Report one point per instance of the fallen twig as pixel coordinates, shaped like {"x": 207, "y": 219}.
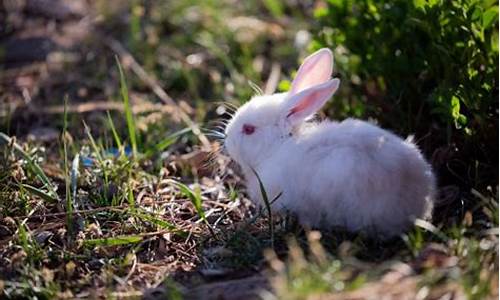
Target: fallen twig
{"x": 103, "y": 105}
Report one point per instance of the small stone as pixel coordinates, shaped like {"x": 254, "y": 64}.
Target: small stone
{"x": 42, "y": 237}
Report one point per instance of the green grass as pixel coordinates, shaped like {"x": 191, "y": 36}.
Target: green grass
{"x": 114, "y": 241}
{"x": 267, "y": 204}
{"x": 33, "y": 166}
{"x": 124, "y": 197}
{"x": 128, "y": 111}
{"x": 69, "y": 179}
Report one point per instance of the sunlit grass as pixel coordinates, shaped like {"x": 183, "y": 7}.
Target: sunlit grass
{"x": 49, "y": 195}
{"x": 128, "y": 201}
{"x": 132, "y": 132}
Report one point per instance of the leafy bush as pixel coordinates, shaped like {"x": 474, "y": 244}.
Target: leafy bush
{"x": 423, "y": 66}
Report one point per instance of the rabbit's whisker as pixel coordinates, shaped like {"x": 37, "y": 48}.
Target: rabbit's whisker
{"x": 230, "y": 105}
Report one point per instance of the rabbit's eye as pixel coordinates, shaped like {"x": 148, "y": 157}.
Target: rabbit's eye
{"x": 248, "y": 129}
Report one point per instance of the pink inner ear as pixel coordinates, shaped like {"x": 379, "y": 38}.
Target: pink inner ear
{"x": 305, "y": 103}
{"x": 309, "y": 101}
{"x": 316, "y": 68}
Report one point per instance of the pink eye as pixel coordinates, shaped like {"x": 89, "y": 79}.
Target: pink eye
{"x": 248, "y": 129}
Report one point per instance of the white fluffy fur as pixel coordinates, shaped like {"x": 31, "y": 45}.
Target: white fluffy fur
{"x": 351, "y": 174}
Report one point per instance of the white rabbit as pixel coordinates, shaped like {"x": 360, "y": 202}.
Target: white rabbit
{"x": 351, "y": 174}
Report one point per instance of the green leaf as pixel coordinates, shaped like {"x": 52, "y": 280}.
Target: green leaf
{"x": 420, "y": 4}
{"x": 494, "y": 42}
{"x": 194, "y": 197}
{"x": 458, "y": 118}
{"x": 432, "y": 3}
{"x": 320, "y": 12}
{"x": 490, "y": 16}
{"x": 338, "y": 3}
{"x": 455, "y": 107}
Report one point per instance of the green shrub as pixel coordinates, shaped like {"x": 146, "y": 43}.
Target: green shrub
{"x": 426, "y": 67}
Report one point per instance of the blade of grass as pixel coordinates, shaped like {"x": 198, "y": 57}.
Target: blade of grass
{"x": 113, "y": 130}
{"x": 131, "y": 199}
{"x": 267, "y": 204}
{"x": 114, "y": 241}
{"x": 35, "y": 168}
{"x": 99, "y": 157}
{"x": 146, "y": 216}
{"x": 23, "y": 236}
{"x": 128, "y": 110}
{"x": 40, "y": 193}
{"x": 167, "y": 142}
{"x": 67, "y": 179}
{"x": 93, "y": 144}
{"x": 195, "y": 198}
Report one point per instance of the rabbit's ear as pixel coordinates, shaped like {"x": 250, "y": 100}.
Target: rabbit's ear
{"x": 316, "y": 68}
{"x": 309, "y": 101}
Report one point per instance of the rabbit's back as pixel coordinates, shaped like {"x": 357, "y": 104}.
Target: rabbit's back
{"x": 358, "y": 175}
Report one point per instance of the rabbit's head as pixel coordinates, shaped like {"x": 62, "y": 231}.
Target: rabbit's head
{"x": 262, "y": 124}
